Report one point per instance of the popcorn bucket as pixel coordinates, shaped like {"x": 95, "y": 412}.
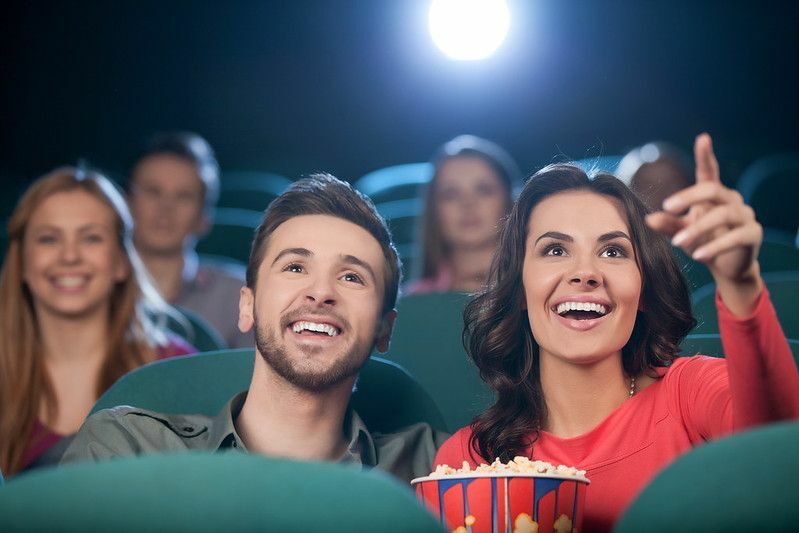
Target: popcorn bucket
{"x": 499, "y": 503}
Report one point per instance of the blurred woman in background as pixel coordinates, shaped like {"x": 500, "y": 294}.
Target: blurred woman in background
{"x": 469, "y": 194}
{"x": 76, "y": 313}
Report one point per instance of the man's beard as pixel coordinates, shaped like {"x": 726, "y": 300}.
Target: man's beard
{"x": 299, "y": 374}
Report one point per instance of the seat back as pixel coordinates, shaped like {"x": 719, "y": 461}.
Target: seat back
{"x": 784, "y": 291}
{"x": 231, "y": 235}
{"x": 770, "y": 186}
{"x": 196, "y": 331}
{"x": 427, "y": 342}
{"x": 397, "y": 182}
{"x": 402, "y": 217}
{"x": 746, "y": 482}
{"x": 250, "y": 190}
{"x": 209, "y": 492}
{"x": 386, "y": 397}
{"x": 710, "y": 344}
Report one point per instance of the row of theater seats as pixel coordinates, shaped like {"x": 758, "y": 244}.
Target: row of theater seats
{"x": 715, "y": 487}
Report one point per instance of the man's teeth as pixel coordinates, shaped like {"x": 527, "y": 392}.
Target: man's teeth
{"x": 314, "y": 326}
{"x": 565, "y": 307}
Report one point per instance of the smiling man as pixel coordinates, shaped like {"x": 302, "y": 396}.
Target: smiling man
{"x": 321, "y": 285}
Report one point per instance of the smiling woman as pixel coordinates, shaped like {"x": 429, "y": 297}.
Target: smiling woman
{"x": 581, "y": 321}
{"x": 75, "y": 313}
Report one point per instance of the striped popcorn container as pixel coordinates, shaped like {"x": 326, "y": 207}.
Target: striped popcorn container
{"x": 482, "y": 502}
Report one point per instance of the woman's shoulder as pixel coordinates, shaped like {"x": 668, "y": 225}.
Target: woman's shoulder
{"x": 455, "y": 449}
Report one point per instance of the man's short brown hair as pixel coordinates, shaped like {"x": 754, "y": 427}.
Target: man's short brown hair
{"x": 324, "y": 194}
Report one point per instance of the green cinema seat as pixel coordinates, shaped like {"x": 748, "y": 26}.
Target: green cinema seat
{"x": 209, "y": 492}
{"x": 386, "y": 396}
{"x": 231, "y": 235}
{"x": 195, "y": 330}
{"x": 784, "y": 291}
{"x": 397, "y": 182}
{"x": 746, "y": 482}
{"x": 427, "y": 342}
{"x": 250, "y": 190}
{"x": 770, "y": 186}
{"x": 710, "y": 344}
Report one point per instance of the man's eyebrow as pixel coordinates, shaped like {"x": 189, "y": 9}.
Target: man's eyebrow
{"x": 352, "y": 260}
{"x": 555, "y": 235}
{"x": 304, "y": 252}
{"x": 614, "y": 235}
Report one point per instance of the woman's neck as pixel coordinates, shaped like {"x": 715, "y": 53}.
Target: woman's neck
{"x": 69, "y": 339}
{"x": 166, "y": 272}
{"x": 74, "y": 353}
{"x": 470, "y": 267}
{"x": 580, "y": 396}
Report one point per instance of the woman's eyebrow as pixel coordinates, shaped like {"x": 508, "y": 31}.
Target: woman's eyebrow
{"x": 555, "y": 235}
{"x": 614, "y": 235}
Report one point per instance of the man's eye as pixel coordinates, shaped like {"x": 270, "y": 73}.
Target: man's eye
{"x": 353, "y": 277}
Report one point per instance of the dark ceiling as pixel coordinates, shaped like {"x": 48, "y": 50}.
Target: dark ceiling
{"x": 350, "y": 86}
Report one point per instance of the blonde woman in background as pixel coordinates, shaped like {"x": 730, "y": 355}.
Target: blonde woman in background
{"x": 75, "y": 313}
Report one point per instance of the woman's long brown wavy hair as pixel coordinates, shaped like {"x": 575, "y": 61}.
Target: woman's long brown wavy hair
{"x": 132, "y": 334}
{"x": 497, "y": 331}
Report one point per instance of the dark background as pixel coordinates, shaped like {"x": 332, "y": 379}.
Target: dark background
{"x": 351, "y": 86}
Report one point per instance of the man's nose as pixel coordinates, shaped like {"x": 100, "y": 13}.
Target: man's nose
{"x": 321, "y": 290}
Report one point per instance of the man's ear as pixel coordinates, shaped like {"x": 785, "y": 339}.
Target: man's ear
{"x": 246, "y": 312}
{"x": 384, "y": 331}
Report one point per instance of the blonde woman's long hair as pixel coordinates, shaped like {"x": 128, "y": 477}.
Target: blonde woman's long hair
{"x": 133, "y": 335}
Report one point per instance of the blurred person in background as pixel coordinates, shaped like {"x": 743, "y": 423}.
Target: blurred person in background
{"x": 172, "y": 191}
{"x": 470, "y": 193}
{"x": 655, "y": 171}
{"x": 76, "y": 313}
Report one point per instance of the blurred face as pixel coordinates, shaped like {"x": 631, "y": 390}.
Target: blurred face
{"x": 318, "y": 301}
{"x": 654, "y": 182}
{"x": 71, "y": 255}
{"x": 581, "y": 281}
{"x": 166, "y": 200}
{"x": 470, "y": 200}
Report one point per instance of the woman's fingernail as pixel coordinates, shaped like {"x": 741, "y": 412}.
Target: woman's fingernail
{"x": 679, "y": 238}
{"x": 670, "y": 204}
{"x": 699, "y": 254}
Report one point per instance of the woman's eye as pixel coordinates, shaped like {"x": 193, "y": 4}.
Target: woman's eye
{"x": 294, "y": 267}
{"x": 486, "y": 190}
{"x": 614, "y": 252}
{"x": 555, "y": 250}
{"x": 352, "y": 277}
{"x": 448, "y": 195}
{"x": 93, "y": 238}
{"x": 46, "y": 239}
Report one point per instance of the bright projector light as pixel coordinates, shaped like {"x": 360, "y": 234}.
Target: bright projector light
{"x": 468, "y": 29}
